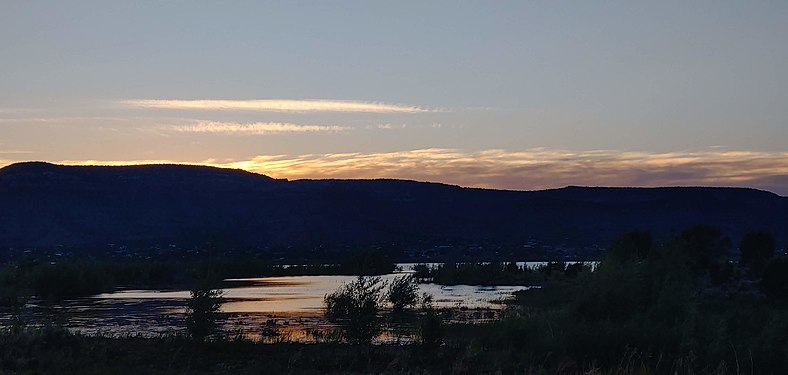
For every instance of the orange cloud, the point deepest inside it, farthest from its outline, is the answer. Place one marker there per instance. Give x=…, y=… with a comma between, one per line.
x=538, y=168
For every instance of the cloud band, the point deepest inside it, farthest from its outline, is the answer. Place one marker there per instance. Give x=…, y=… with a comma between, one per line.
x=255, y=128
x=275, y=105
x=540, y=168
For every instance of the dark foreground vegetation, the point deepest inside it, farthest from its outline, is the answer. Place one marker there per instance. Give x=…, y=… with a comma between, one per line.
x=60, y=353
x=681, y=307
x=689, y=306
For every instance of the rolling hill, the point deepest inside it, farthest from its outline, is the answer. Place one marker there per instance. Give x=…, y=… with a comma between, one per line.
x=44, y=204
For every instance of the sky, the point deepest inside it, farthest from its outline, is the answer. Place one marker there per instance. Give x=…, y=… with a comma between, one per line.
x=514, y=95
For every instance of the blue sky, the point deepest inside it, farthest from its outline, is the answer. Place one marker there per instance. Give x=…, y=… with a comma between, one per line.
x=519, y=95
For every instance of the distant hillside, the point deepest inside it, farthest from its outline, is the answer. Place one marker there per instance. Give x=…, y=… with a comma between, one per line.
x=45, y=204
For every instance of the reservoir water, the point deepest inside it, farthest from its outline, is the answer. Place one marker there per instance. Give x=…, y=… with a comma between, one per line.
x=293, y=304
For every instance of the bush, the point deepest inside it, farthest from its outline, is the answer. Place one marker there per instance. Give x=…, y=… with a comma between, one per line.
x=705, y=248
x=202, y=314
x=355, y=307
x=403, y=293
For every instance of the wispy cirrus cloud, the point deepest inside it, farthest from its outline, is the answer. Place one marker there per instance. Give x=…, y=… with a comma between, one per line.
x=254, y=128
x=525, y=170
x=276, y=105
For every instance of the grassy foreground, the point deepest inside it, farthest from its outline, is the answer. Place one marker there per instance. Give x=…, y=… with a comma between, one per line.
x=58, y=352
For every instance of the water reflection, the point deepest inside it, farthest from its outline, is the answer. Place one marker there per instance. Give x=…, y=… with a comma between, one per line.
x=292, y=304
x=304, y=294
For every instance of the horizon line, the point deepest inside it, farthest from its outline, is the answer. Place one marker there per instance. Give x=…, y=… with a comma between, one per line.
x=235, y=168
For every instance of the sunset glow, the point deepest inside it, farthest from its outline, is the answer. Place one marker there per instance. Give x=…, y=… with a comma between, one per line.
x=525, y=170
x=510, y=96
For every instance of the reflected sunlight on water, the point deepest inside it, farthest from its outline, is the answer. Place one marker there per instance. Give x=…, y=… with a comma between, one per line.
x=304, y=294
x=293, y=304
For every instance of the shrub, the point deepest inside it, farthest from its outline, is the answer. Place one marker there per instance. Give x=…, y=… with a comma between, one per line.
x=704, y=247
x=403, y=293
x=355, y=307
x=202, y=313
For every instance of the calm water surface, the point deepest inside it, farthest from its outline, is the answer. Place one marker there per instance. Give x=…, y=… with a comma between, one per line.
x=293, y=304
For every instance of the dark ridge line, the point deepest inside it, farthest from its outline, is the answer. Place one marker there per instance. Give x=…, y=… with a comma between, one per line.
x=45, y=164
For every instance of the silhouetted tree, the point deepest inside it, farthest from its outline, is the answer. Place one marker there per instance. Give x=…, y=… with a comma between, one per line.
x=634, y=245
x=202, y=313
x=706, y=250
x=512, y=267
x=355, y=307
x=551, y=267
x=403, y=293
x=757, y=248
x=421, y=271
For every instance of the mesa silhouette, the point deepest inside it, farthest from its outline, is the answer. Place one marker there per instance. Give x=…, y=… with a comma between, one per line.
x=43, y=204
